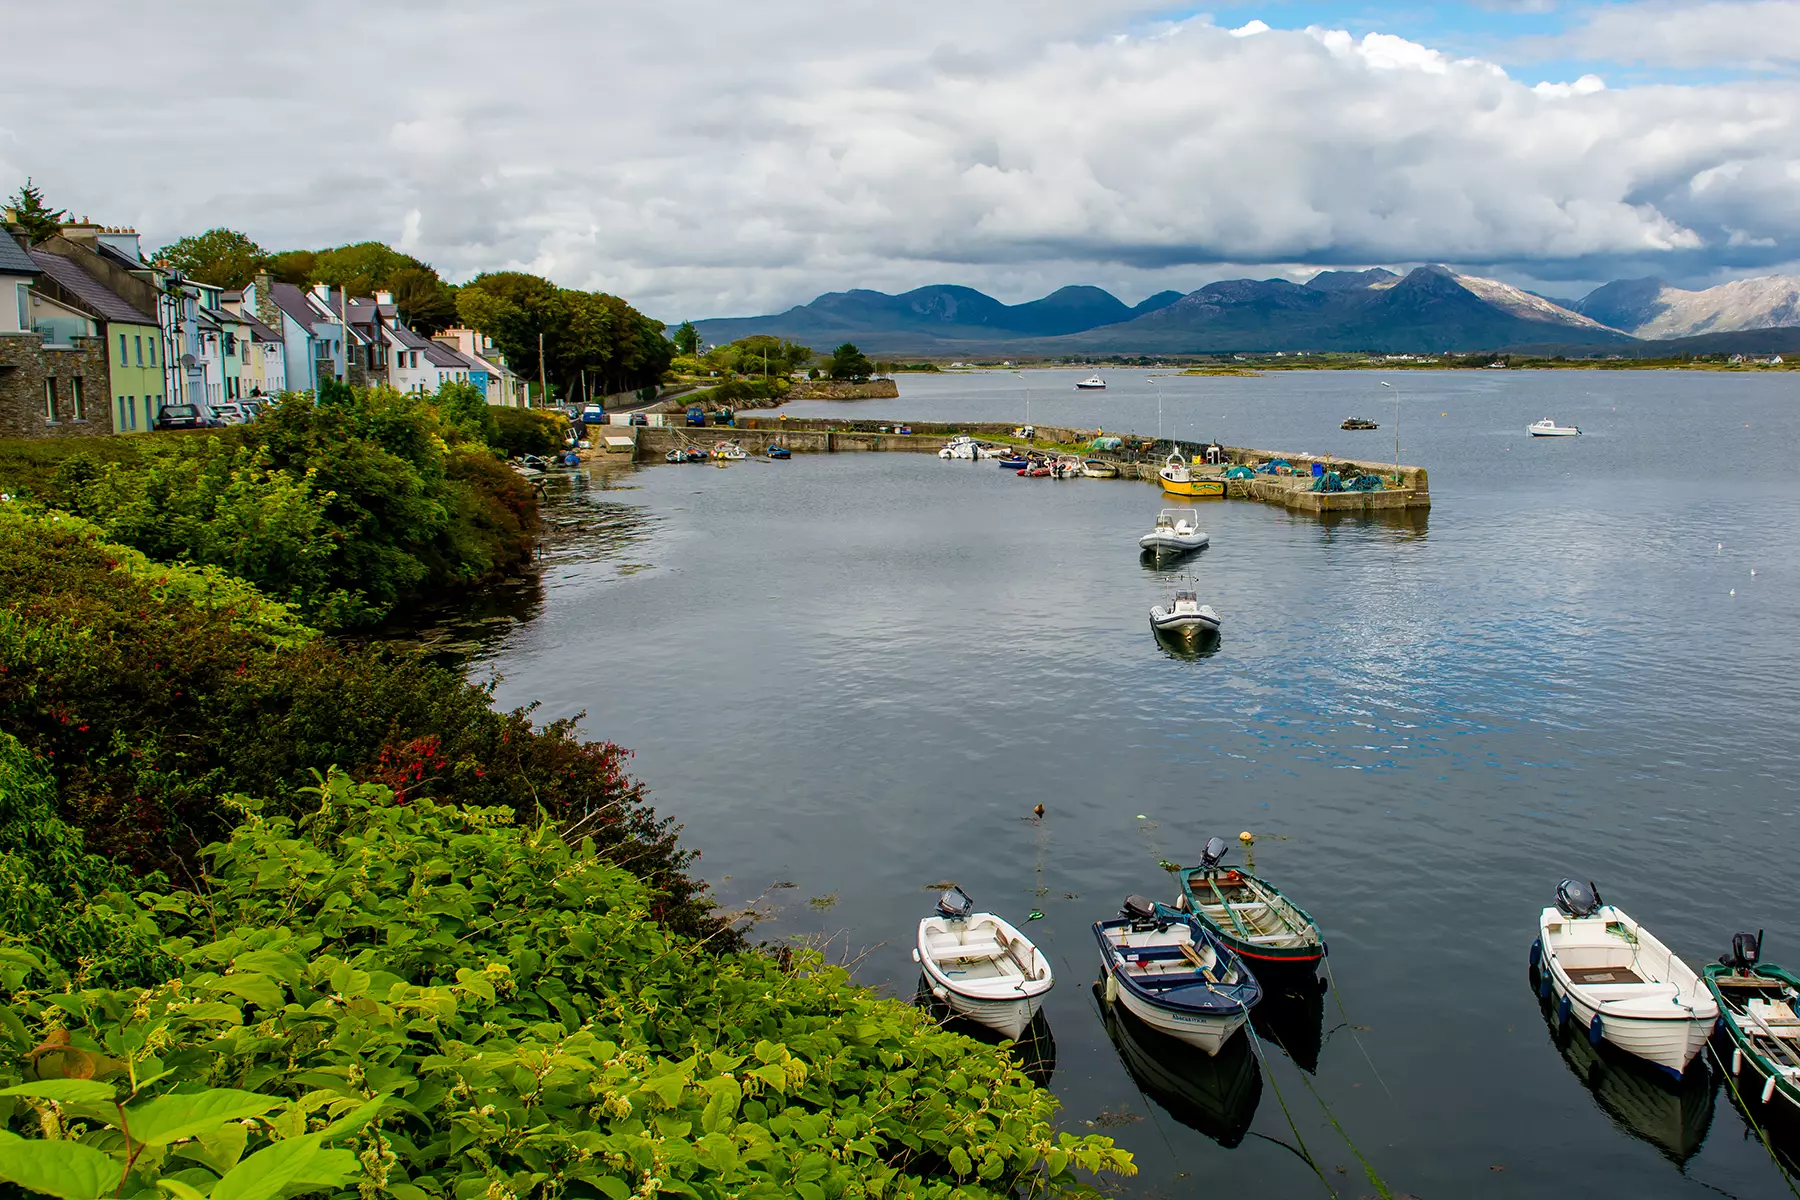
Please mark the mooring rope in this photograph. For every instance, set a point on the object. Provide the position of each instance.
(1744, 1107)
(1338, 997)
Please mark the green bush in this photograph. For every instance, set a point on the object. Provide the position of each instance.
(470, 1008)
(346, 509)
(529, 431)
(155, 692)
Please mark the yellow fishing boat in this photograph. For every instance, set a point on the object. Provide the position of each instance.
(1178, 479)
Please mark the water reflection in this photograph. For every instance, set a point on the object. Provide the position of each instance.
(1189, 644)
(1641, 1100)
(1214, 1094)
(1777, 1120)
(1034, 1053)
(1292, 1017)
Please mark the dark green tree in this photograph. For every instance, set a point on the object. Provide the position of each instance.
(426, 303)
(847, 362)
(687, 338)
(28, 214)
(222, 257)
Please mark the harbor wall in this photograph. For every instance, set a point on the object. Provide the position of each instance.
(1138, 459)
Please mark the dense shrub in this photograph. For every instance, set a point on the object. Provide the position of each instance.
(347, 509)
(485, 1011)
(156, 691)
(528, 431)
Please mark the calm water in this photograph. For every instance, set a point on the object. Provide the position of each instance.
(857, 673)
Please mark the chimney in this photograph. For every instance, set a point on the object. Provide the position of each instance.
(124, 240)
(266, 311)
(384, 297)
(322, 291)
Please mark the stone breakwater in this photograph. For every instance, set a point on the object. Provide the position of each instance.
(1408, 488)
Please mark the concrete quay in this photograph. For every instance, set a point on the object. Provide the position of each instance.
(757, 434)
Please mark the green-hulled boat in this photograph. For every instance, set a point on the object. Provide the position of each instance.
(1759, 1009)
(1263, 927)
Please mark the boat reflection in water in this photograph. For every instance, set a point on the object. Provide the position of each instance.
(1291, 1018)
(1641, 1100)
(1187, 643)
(1034, 1053)
(1215, 1094)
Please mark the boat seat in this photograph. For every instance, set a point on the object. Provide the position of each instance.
(967, 950)
(1596, 976)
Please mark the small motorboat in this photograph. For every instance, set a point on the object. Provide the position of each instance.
(987, 452)
(1173, 975)
(1093, 383)
(1014, 462)
(1215, 1094)
(780, 452)
(1098, 468)
(729, 451)
(1358, 423)
(1549, 428)
(696, 455)
(1759, 1008)
(1066, 468)
(676, 456)
(960, 447)
(1617, 982)
(1249, 914)
(981, 966)
(1184, 614)
(1037, 469)
(1177, 532)
(1178, 479)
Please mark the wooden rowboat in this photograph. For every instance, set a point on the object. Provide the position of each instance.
(1250, 915)
(1759, 1008)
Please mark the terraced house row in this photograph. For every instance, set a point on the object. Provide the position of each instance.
(95, 340)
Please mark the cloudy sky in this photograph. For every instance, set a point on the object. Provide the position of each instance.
(722, 158)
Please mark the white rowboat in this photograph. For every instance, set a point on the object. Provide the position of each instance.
(982, 967)
(1618, 983)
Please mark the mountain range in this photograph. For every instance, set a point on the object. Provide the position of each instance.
(1430, 309)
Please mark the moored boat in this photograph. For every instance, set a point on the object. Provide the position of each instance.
(1216, 1094)
(1184, 614)
(1358, 423)
(1093, 383)
(780, 452)
(1250, 914)
(1170, 972)
(1178, 479)
(729, 451)
(1014, 462)
(676, 456)
(1759, 1011)
(1098, 468)
(960, 447)
(1618, 983)
(1549, 428)
(1036, 469)
(1177, 532)
(981, 966)
(1066, 468)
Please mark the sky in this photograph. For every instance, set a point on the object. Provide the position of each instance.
(717, 158)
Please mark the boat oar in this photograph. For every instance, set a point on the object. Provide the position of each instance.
(1226, 904)
(1274, 905)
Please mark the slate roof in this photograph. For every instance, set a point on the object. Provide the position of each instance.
(441, 355)
(293, 301)
(411, 340)
(84, 287)
(258, 331)
(13, 259)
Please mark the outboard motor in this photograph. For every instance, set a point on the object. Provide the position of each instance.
(1576, 899)
(1746, 951)
(1215, 850)
(1141, 911)
(955, 905)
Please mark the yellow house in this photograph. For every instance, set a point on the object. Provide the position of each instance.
(132, 339)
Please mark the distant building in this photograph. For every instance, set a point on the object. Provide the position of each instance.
(487, 369)
(123, 308)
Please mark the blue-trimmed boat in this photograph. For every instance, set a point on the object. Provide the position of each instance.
(780, 452)
(1017, 462)
(1250, 915)
(1171, 973)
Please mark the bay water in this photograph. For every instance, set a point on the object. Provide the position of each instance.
(852, 676)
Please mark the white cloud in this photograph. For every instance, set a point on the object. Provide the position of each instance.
(728, 158)
(1758, 34)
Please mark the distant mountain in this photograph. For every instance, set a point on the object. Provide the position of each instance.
(1650, 308)
(1431, 309)
(937, 318)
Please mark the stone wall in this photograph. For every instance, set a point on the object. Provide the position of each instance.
(26, 365)
(836, 389)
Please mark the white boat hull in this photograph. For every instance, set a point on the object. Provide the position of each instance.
(1207, 1033)
(1162, 619)
(1665, 1018)
(1009, 1018)
(1172, 541)
(1001, 990)
(1556, 433)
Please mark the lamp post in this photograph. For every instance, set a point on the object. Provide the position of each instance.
(1390, 387)
(1027, 384)
(1156, 382)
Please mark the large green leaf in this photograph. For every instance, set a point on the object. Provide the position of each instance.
(67, 1170)
(188, 1114)
(64, 1091)
(265, 1173)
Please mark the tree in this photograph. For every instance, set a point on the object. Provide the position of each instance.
(687, 339)
(293, 266)
(28, 214)
(426, 303)
(221, 257)
(364, 268)
(847, 362)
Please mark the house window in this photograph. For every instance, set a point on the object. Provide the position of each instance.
(153, 352)
(122, 359)
(140, 349)
(24, 308)
(75, 400)
(50, 401)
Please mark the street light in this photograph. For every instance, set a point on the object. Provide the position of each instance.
(1154, 381)
(1390, 387)
(1027, 384)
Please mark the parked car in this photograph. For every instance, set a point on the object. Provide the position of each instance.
(229, 414)
(593, 414)
(696, 415)
(639, 419)
(180, 416)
